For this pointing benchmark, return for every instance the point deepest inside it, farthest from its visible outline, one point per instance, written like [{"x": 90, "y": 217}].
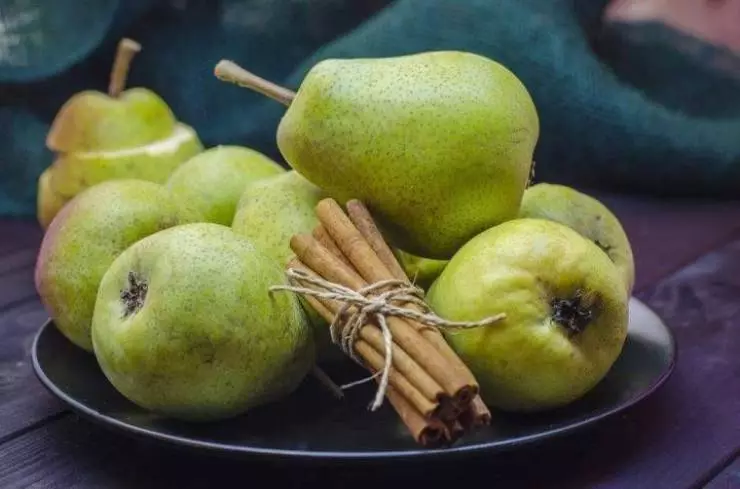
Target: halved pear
[{"x": 155, "y": 162}]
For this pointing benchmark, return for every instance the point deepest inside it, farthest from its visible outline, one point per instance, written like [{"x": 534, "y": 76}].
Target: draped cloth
[{"x": 623, "y": 107}]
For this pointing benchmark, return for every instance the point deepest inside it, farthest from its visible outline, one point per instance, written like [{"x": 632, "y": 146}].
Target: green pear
[
  {"x": 185, "y": 326},
  {"x": 122, "y": 134},
  {"x": 95, "y": 121},
  {"x": 421, "y": 271},
  {"x": 566, "y": 313},
  {"x": 48, "y": 202},
  {"x": 270, "y": 212},
  {"x": 587, "y": 216},
  {"x": 214, "y": 180},
  {"x": 86, "y": 236},
  {"x": 438, "y": 145}
]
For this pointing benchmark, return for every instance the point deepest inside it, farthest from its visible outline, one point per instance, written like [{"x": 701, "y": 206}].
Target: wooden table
[{"x": 687, "y": 435}]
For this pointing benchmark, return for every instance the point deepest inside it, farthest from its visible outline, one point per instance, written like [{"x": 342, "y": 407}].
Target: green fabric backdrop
[{"x": 636, "y": 108}]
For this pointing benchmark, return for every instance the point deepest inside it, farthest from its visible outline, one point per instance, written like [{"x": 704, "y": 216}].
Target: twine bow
[{"x": 377, "y": 301}]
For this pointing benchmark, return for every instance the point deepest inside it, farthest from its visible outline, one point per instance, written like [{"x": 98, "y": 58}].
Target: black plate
[{"x": 312, "y": 425}]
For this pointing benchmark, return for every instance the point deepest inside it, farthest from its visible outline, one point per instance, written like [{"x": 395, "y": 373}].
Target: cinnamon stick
[
  {"x": 375, "y": 362},
  {"x": 481, "y": 413},
  {"x": 405, "y": 364},
  {"x": 357, "y": 249},
  {"x": 362, "y": 218},
  {"x": 448, "y": 410},
  {"x": 371, "y": 336},
  {"x": 321, "y": 260},
  {"x": 312, "y": 253},
  {"x": 323, "y": 237},
  {"x": 325, "y": 308},
  {"x": 453, "y": 431},
  {"x": 351, "y": 242},
  {"x": 427, "y": 433},
  {"x": 476, "y": 415}
]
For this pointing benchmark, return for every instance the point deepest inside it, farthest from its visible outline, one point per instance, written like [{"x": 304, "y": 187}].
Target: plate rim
[{"x": 354, "y": 455}]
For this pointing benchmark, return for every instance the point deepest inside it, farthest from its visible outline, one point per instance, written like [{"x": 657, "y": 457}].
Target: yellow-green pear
[
  {"x": 48, "y": 202},
  {"x": 270, "y": 212},
  {"x": 84, "y": 238},
  {"x": 95, "y": 121},
  {"x": 214, "y": 180},
  {"x": 125, "y": 133},
  {"x": 438, "y": 145},
  {"x": 185, "y": 325},
  {"x": 565, "y": 305},
  {"x": 586, "y": 215}
]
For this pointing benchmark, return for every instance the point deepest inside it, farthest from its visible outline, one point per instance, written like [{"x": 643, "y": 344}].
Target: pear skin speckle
[
  {"x": 214, "y": 180},
  {"x": 86, "y": 236},
  {"x": 94, "y": 121},
  {"x": 438, "y": 145},
  {"x": 587, "y": 216},
  {"x": 208, "y": 341},
  {"x": 270, "y": 212},
  {"x": 541, "y": 274}
]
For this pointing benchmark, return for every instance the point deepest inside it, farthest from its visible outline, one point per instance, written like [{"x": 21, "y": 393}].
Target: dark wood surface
[{"x": 687, "y": 435}]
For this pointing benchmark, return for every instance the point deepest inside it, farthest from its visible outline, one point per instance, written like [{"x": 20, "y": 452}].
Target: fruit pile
[{"x": 160, "y": 257}]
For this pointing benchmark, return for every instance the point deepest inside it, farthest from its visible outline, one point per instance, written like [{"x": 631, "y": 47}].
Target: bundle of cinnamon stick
[{"x": 431, "y": 389}]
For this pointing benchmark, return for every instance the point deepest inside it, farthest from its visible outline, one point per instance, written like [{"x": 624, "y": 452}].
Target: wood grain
[
  {"x": 669, "y": 441},
  {"x": 16, "y": 287},
  {"x": 18, "y": 235},
  {"x": 728, "y": 478},
  {"x": 23, "y": 400}
]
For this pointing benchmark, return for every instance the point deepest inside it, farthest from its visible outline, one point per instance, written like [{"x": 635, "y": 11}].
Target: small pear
[
  {"x": 86, "y": 236},
  {"x": 95, "y": 121},
  {"x": 214, "y": 180},
  {"x": 270, "y": 212},
  {"x": 587, "y": 216},
  {"x": 438, "y": 145},
  {"x": 121, "y": 134}
]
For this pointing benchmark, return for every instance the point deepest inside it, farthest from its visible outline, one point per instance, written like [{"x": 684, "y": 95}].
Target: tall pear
[{"x": 438, "y": 145}]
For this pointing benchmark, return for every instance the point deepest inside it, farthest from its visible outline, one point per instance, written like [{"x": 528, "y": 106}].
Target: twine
[{"x": 373, "y": 301}]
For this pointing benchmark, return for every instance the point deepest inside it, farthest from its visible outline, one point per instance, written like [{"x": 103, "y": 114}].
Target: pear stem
[
  {"x": 326, "y": 382},
  {"x": 231, "y": 72},
  {"x": 127, "y": 49}
]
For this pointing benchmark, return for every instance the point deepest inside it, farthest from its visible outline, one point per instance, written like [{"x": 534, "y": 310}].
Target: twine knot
[{"x": 376, "y": 301}]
